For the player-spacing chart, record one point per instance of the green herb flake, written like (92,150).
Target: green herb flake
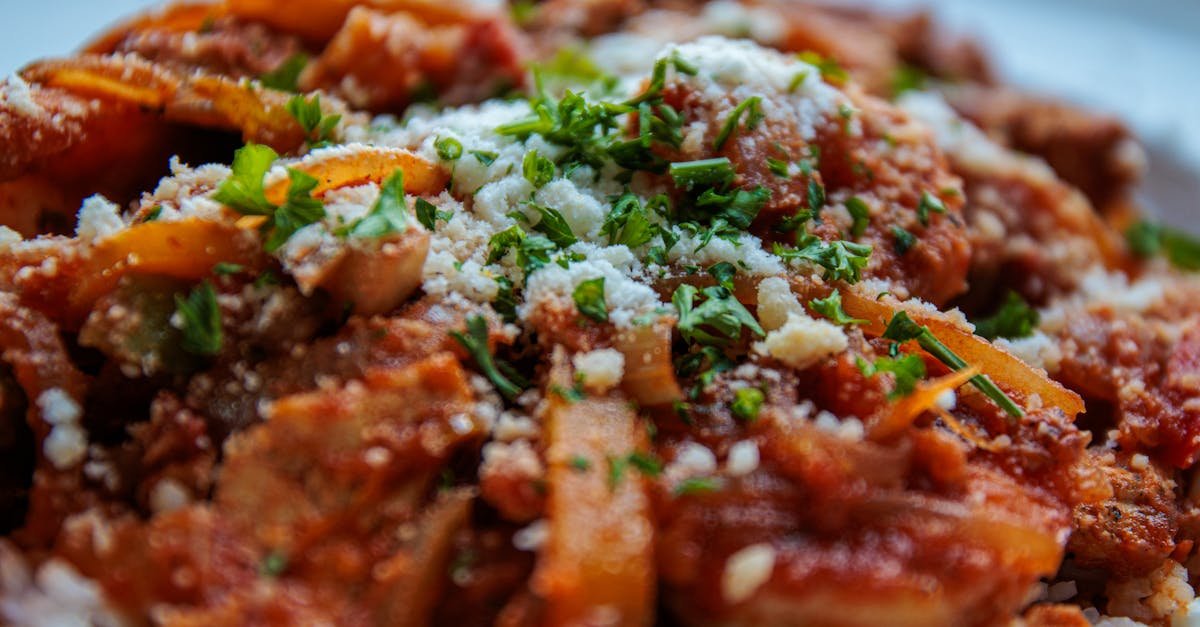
(286,76)
(751,106)
(579,463)
(1147,239)
(486,157)
(831,308)
(778,167)
(1013,320)
(225,268)
(589,299)
(697,485)
(554,226)
(747,403)
(719,320)
(537,169)
(715,172)
(153,214)
(201,318)
(243,190)
(475,342)
(904,240)
(860,213)
(428,214)
(273,564)
(318,127)
(906,370)
(299,210)
(901,328)
(929,204)
(506,301)
(448,148)
(842,260)
(388,215)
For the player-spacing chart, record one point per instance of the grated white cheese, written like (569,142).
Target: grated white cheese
(601,369)
(693,460)
(532,537)
(98,219)
(803,341)
(746,571)
(66,445)
(776,302)
(16,93)
(743,459)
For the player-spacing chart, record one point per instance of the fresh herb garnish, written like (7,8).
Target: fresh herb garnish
(578,463)
(286,77)
(842,260)
(201,320)
(697,485)
(718,321)
(388,215)
(628,222)
(1147,239)
(475,341)
(831,308)
(747,403)
(298,210)
(537,169)
(243,190)
(901,328)
(716,172)
(751,106)
(778,167)
(318,127)
(273,564)
(907,371)
(1014,319)
(929,203)
(860,213)
(830,70)
(428,214)
(448,148)
(486,157)
(225,268)
(554,226)
(506,300)
(589,299)
(904,239)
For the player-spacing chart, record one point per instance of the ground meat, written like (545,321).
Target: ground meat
(226,46)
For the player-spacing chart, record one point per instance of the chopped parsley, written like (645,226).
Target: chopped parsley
(929,203)
(273,564)
(697,485)
(901,328)
(778,167)
(723,272)
(842,260)
(1014,319)
(428,214)
(201,320)
(904,240)
(860,213)
(388,215)
(713,209)
(153,214)
(533,251)
(243,191)
(797,80)
(506,301)
(537,169)
(554,226)
(225,268)
(589,299)
(717,321)
(286,77)
(486,157)
(318,127)
(906,370)
(908,78)
(831,308)
(579,463)
(716,172)
(830,70)
(475,341)
(448,148)
(752,108)
(816,192)
(299,210)
(747,403)
(642,462)
(1147,239)
(628,222)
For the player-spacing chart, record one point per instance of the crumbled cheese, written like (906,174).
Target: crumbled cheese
(946,400)
(776,302)
(1038,350)
(66,445)
(746,571)
(693,460)
(1139,462)
(8,238)
(168,495)
(98,219)
(532,537)
(625,296)
(743,458)
(601,369)
(735,19)
(17,94)
(803,341)
(850,428)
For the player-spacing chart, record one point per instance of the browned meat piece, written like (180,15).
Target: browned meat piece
(1133,531)
(384,61)
(225,46)
(1094,152)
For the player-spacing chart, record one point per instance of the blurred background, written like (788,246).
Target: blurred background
(1138,59)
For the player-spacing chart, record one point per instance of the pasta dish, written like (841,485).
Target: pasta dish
(582,312)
